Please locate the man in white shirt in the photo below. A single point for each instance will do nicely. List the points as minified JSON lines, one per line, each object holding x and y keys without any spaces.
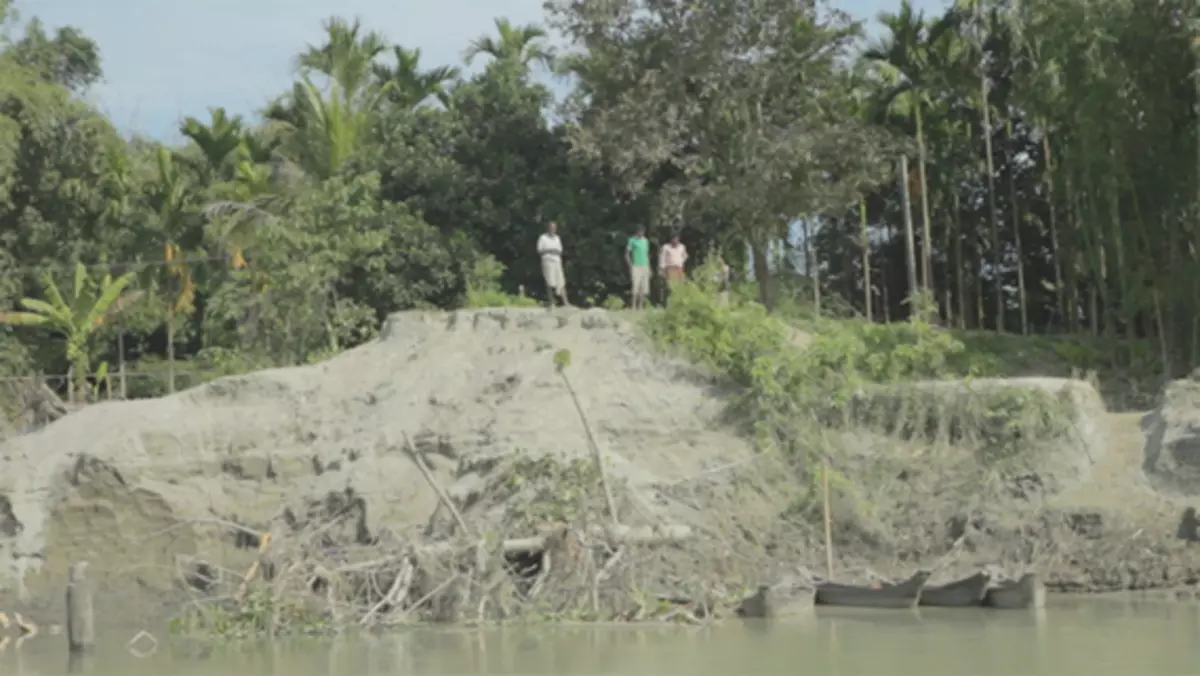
{"x":672,"y":256}
{"x":549,"y":247}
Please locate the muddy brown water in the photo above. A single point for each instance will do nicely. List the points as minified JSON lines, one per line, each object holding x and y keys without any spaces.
{"x":1077,"y":637}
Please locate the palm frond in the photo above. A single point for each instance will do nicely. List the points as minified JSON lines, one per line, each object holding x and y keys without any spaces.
{"x":105,"y":300}
{"x":23,"y":318}
{"x":56,"y":314}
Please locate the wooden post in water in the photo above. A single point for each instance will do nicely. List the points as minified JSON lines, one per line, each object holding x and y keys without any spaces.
{"x":828,"y":521}
{"x":81,"y":620}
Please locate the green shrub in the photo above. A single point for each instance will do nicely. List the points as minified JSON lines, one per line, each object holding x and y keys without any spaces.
{"x":786,"y":387}
{"x":485,"y":299}
{"x":483,"y":287}
{"x":613,"y":303}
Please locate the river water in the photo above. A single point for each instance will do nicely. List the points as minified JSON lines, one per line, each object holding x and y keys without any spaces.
{"x":1075,"y":637}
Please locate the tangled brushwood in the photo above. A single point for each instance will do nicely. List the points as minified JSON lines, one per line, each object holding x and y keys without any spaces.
{"x":536,"y":541}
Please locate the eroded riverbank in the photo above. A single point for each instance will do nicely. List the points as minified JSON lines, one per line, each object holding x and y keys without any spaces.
{"x":445,"y":473}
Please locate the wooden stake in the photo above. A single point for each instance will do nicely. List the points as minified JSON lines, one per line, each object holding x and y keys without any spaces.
{"x":828,"y":521}
{"x":81,"y":621}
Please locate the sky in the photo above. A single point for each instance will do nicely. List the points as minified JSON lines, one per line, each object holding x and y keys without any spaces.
{"x":166,"y":59}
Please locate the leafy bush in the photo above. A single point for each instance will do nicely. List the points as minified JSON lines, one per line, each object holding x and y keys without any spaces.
{"x":790,"y":379}
{"x":483,"y":287}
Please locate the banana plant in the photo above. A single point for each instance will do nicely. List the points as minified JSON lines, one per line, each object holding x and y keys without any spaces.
{"x":78,"y":317}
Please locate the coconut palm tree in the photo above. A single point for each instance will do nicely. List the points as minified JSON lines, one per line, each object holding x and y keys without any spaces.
{"x":902,"y":57}
{"x":216,"y":140}
{"x":412,"y":86}
{"x":347,"y":57}
{"x":521,"y":45}
{"x":171,"y":198}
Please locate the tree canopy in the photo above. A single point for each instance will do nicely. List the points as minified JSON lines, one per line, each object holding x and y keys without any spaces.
{"x":1053,"y":184}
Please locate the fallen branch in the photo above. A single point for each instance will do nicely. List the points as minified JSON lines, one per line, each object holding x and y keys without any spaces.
{"x":425,"y":599}
{"x":437,"y":488}
{"x":263,"y":542}
{"x":201,"y":522}
{"x":396,"y":594}
{"x":602,"y":575}
{"x":614,"y":536}
{"x":541,"y":579}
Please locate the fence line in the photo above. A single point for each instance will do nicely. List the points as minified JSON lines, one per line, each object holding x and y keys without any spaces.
{"x":114,"y":374}
{"x":127,"y":265}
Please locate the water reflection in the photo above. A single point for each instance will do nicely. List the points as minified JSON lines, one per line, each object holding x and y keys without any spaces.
{"x":1080,"y":637}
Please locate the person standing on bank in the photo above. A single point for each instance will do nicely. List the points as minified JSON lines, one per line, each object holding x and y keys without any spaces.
{"x":550,"y":248}
{"x":637,"y":256}
{"x":671,"y":259}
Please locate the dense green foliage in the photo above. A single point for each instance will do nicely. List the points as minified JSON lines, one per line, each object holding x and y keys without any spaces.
{"x":1055,"y":183}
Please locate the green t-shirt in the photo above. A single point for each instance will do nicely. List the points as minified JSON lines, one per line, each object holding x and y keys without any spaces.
{"x":639,"y":251}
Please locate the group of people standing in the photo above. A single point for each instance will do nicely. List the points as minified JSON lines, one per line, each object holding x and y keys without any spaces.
{"x":672,"y":260}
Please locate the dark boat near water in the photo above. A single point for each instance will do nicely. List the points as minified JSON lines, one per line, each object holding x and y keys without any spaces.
{"x":965,"y":593}
{"x":1027,"y":592}
{"x":904,"y":594}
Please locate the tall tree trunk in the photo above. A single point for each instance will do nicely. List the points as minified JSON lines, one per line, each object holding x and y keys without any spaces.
{"x":762,"y":274}
{"x":810,"y":267}
{"x":866,"y":257}
{"x":1071,"y":273}
{"x":959,"y":263}
{"x":121,"y":360}
{"x":977,"y":268}
{"x":926,"y":226}
{"x":997,"y":252}
{"x":948,"y":234}
{"x":171,"y":346}
{"x":1055,"y":243}
{"x":909,"y":237}
{"x":885,"y":270}
{"x":1022,"y":295}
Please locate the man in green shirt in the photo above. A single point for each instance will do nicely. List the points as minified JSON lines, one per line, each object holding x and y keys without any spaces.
{"x":637,"y":256}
